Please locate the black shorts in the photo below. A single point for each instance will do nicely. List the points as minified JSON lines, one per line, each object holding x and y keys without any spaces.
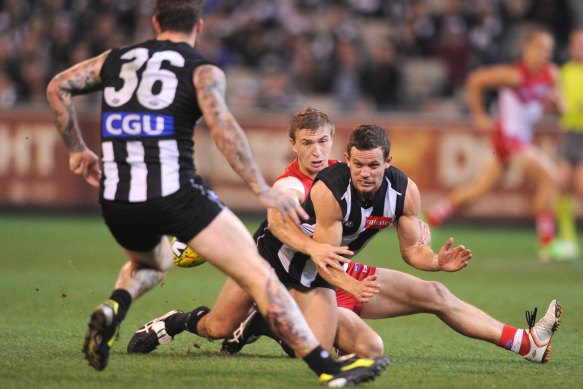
{"x":290,"y":281}
{"x":140,"y":226}
{"x":571,"y":147}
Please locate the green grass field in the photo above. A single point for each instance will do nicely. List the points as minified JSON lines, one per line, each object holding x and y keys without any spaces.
{"x":55,"y":270}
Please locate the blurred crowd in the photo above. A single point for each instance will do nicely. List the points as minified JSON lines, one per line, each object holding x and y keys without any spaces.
{"x":344,"y":55}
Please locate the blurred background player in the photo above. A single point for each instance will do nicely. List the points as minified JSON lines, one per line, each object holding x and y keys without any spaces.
{"x":525,"y":89}
{"x":571,"y":149}
{"x":154,"y":93}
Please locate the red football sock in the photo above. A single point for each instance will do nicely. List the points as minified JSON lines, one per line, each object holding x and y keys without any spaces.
{"x":515,"y":340}
{"x":439,"y":213}
{"x":545,"y":227}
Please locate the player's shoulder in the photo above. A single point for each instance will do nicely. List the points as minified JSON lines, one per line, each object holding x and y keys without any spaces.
{"x":293,"y":185}
{"x":334,"y":169}
{"x":396,"y":177}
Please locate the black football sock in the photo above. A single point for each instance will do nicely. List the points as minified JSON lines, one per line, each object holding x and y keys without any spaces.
{"x":259,"y":327}
{"x":320,"y":361}
{"x":194,"y":317}
{"x":123,"y":298}
{"x":176,"y":323}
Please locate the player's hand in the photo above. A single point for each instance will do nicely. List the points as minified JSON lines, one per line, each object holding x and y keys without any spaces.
{"x":365,"y":289}
{"x":484,"y":123}
{"x":86,"y":163}
{"x":453,"y":259}
{"x":554,"y":101}
{"x":287,"y":205}
{"x":324,"y":255}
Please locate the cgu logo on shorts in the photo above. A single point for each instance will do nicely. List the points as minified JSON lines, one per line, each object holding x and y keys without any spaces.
{"x":130,"y":124}
{"x":378,"y":222}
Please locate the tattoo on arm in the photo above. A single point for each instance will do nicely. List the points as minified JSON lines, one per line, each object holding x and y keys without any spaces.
{"x":79,"y":79}
{"x":227,"y":134}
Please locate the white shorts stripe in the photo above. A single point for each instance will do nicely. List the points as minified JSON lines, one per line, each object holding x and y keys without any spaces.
{"x":138,"y":172}
{"x":170,"y":167}
{"x":110,"y":172}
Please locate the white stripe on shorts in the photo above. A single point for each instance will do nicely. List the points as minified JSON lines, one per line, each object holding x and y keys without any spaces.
{"x":110,"y":172}
{"x":170,"y":166}
{"x":138,"y":171}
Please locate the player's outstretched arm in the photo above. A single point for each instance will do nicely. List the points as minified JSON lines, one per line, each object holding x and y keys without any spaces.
{"x":414,"y":243}
{"x":79,"y":79}
{"x":484,"y":79}
{"x":210,"y":85}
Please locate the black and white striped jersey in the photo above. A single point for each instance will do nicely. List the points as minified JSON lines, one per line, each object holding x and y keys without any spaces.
{"x":360,"y":220}
{"x":149,"y":111}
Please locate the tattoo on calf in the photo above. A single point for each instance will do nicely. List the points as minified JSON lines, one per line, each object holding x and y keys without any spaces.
{"x":285,"y":321}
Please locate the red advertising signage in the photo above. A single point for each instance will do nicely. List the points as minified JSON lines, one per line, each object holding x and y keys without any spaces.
{"x":437,"y":154}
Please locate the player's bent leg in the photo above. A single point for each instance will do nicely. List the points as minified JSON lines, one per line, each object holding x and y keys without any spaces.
{"x":354,"y":336}
{"x":484,"y":182}
{"x":230,"y":308}
{"x":318,"y":306}
{"x":240,"y":260}
{"x":540,"y":170}
{"x":142,"y":272}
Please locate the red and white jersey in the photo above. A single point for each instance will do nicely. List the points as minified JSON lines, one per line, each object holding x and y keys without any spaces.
{"x":293,"y":178}
{"x":521,"y":108}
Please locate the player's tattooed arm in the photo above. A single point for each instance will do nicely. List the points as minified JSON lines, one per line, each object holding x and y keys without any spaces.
{"x":210,"y":84}
{"x":79,"y":79}
{"x":210,"y":87}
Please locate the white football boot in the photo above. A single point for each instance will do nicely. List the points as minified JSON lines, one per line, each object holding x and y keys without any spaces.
{"x":540,"y":334}
{"x":151,"y":335}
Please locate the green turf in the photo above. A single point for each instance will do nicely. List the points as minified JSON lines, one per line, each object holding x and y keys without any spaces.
{"x":55,"y":270}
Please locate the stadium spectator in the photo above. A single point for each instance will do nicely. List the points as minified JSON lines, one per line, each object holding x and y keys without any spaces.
{"x":381,"y":77}
{"x":149,"y":187}
{"x":244,"y":33}
{"x":571,"y":148}
{"x":526,"y":88}
{"x":8,"y":93}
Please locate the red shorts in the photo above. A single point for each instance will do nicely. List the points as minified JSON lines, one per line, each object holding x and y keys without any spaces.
{"x":506,"y":146}
{"x":360,"y":272}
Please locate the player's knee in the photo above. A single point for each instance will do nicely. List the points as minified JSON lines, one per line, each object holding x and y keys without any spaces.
{"x":217,"y":329}
{"x":373,"y":347}
{"x":442,"y":297}
{"x":257,"y":275}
